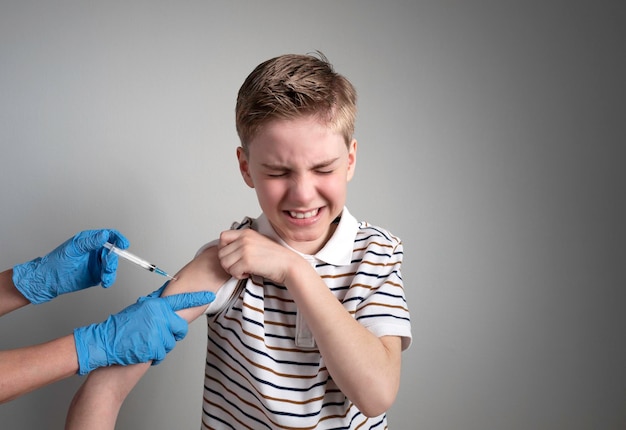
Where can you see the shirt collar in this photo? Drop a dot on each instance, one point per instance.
(337, 251)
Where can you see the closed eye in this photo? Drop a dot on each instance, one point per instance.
(326, 167)
(276, 172)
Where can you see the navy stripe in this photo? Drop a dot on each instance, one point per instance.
(377, 230)
(269, 384)
(362, 317)
(238, 309)
(216, 418)
(288, 414)
(376, 275)
(234, 406)
(264, 354)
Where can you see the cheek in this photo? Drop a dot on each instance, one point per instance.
(269, 191)
(335, 187)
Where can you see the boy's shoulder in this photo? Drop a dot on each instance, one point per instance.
(371, 232)
(349, 236)
(348, 230)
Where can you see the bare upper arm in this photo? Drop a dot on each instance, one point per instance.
(393, 345)
(203, 273)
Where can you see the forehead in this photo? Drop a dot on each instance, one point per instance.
(302, 138)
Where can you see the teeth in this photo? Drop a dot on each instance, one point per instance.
(303, 215)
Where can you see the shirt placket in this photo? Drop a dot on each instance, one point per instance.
(304, 336)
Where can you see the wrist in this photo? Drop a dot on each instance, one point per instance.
(31, 283)
(90, 354)
(297, 266)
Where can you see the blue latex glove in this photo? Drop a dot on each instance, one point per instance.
(79, 263)
(144, 331)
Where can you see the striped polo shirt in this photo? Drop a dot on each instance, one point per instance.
(263, 370)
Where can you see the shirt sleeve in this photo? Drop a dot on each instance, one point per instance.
(377, 291)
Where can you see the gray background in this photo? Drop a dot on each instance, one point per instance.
(491, 141)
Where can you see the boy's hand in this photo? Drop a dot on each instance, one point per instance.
(246, 252)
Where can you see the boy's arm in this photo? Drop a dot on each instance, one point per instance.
(97, 403)
(365, 367)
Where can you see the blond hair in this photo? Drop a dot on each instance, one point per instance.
(294, 86)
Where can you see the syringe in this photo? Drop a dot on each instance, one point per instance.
(138, 261)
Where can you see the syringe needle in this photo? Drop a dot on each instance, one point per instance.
(163, 273)
(137, 260)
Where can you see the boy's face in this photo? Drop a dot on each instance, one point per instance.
(300, 170)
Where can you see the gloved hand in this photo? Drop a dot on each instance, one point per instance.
(144, 331)
(79, 263)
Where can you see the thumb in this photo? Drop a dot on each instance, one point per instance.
(178, 327)
(156, 293)
(189, 300)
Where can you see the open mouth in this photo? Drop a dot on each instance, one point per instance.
(304, 215)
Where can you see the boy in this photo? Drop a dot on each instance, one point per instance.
(310, 317)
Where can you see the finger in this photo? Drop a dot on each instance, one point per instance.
(227, 237)
(229, 256)
(233, 264)
(190, 300)
(159, 356)
(118, 239)
(107, 279)
(109, 263)
(87, 241)
(178, 328)
(237, 271)
(154, 294)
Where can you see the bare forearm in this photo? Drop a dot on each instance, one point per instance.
(26, 369)
(10, 297)
(97, 403)
(366, 368)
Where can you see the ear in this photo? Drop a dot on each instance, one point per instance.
(351, 159)
(244, 167)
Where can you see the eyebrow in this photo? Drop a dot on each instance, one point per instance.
(319, 165)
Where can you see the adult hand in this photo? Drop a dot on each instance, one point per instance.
(144, 331)
(78, 263)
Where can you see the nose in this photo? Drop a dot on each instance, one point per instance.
(302, 190)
